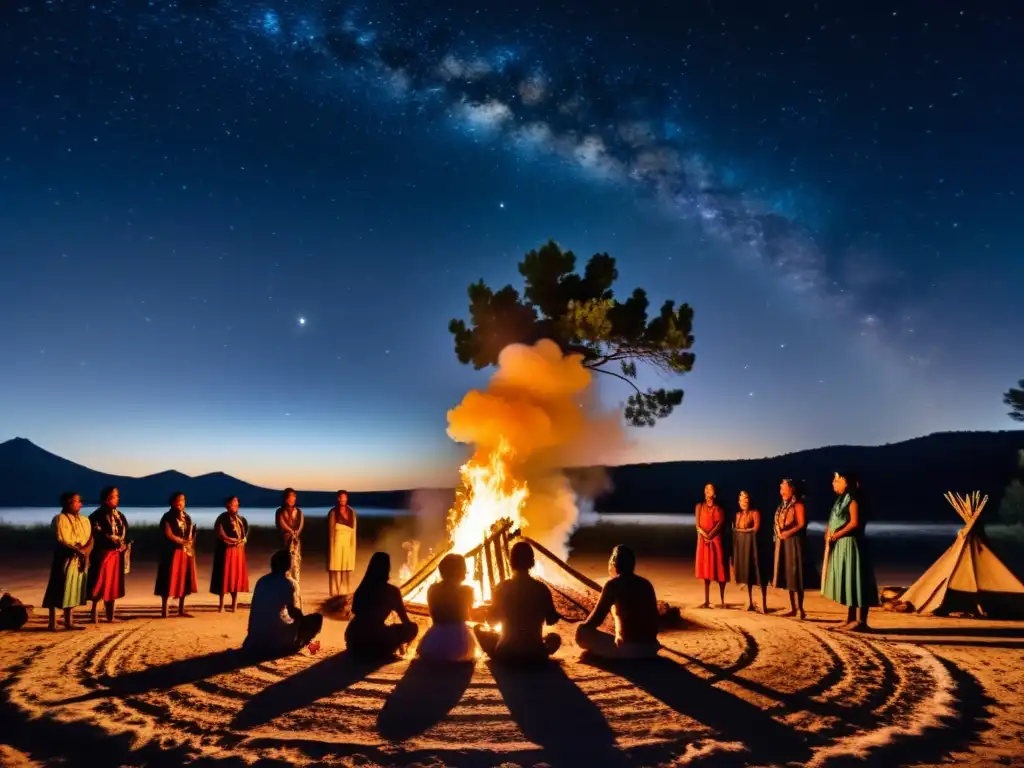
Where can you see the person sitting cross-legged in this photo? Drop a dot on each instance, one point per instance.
(632, 602)
(522, 605)
(369, 635)
(277, 626)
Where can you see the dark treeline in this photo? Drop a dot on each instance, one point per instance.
(906, 481)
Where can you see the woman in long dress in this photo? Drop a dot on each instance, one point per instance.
(230, 574)
(710, 551)
(110, 549)
(847, 576)
(66, 588)
(790, 537)
(341, 559)
(369, 635)
(751, 563)
(176, 574)
(290, 521)
(450, 602)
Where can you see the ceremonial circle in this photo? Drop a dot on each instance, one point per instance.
(733, 689)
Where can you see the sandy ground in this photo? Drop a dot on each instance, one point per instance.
(732, 689)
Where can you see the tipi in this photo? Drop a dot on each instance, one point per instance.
(968, 577)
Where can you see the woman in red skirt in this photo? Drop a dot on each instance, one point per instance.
(710, 552)
(106, 571)
(176, 575)
(230, 569)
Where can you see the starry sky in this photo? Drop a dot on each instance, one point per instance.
(232, 233)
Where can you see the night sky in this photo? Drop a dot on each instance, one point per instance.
(233, 233)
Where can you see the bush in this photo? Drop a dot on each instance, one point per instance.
(1011, 509)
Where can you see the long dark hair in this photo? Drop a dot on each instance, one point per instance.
(106, 493)
(856, 492)
(378, 571)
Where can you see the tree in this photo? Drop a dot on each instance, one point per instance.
(581, 314)
(1011, 508)
(1014, 398)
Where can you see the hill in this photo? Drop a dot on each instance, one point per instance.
(31, 476)
(905, 480)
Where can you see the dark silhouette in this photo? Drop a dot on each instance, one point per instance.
(168, 676)
(558, 304)
(325, 678)
(424, 696)
(732, 718)
(368, 635)
(1013, 398)
(538, 698)
(522, 605)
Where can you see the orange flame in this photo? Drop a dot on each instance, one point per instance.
(489, 494)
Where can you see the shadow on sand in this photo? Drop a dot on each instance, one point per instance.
(424, 696)
(327, 677)
(167, 676)
(538, 699)
(732, 718)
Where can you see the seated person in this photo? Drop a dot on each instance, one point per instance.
(369, 635)
(632, 602)
(450, 602)
(522, 606)
(277, 626)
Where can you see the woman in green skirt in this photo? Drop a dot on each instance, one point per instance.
(847, 575)
(66, 588)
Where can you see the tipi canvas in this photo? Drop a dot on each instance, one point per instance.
(969, 576)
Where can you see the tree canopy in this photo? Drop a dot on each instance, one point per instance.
(1014, 398)
(582, 315)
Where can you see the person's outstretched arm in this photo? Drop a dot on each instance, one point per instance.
(601, 610)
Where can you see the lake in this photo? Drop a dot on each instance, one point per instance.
(204, 517)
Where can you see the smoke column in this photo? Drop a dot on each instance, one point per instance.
(544, 405)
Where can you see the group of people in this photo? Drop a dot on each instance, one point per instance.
(514, 632)
(93, 554)
(763, 557)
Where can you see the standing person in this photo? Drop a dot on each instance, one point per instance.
(277, 625)
(341, 559)
(632, 602)
(230, 573)
(710, 552)
(66, 588)
(176, 574)
(368, 635)
(847, 576)
(522, 605)
(289, 521)
(450, 601)
(790, 537)
(106, 574)
(750, 559)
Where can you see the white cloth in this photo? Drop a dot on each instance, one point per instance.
(343, 548)
(448, 642)
(270, 626)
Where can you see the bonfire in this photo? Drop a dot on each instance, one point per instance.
(486, 518)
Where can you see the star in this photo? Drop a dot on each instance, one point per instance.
(302, 321)
(501, 205)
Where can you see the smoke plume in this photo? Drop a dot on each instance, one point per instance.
(544, 406)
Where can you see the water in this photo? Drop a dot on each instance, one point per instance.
(204, 517)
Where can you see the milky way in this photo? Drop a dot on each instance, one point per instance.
(834, 188)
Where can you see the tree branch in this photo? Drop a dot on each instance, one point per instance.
(618, 376)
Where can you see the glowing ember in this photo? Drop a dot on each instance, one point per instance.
(488, 497)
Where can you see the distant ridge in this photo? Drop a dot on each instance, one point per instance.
(905, 480)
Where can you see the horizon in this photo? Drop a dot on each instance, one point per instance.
(244, 247)
(453, 484)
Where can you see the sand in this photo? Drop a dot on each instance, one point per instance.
(733, 688)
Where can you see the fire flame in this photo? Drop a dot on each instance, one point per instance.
(488, 495)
